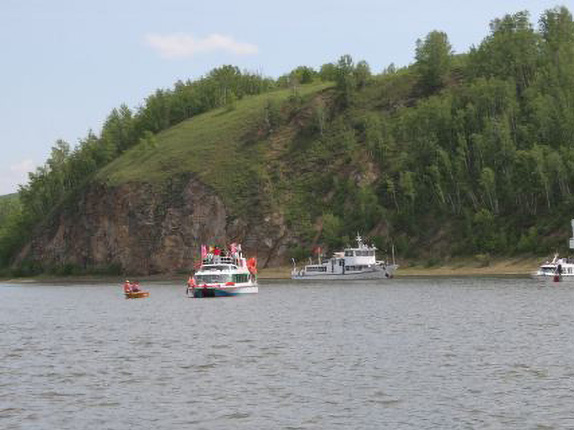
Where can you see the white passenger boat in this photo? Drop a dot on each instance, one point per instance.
(559, 268)
(224, 275)
(352, 263)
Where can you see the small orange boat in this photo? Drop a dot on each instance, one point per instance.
(137, 294)
(132, 291)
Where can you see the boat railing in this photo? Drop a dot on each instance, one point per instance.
(218, 259)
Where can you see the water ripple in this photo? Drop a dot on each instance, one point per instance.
(408, 354)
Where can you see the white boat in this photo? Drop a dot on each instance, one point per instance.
(220, 276)
(351, 263)
(558, 268)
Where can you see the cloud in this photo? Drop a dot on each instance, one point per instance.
(180, 45)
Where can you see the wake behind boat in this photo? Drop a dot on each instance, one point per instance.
(223, 273)
(351, 263)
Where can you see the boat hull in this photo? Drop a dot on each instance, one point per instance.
(137, 295)
(382, 274)
(220, 291)
(552, 277)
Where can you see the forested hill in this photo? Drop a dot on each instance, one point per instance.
(454, 155)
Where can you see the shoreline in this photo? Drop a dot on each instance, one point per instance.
(470, 266)
(519, 267)
(522, 267)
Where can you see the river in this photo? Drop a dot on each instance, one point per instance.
(444, 353)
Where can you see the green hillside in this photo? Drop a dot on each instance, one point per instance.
(225, 148)
(468, 154)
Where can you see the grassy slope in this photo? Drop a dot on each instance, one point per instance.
(221, 147)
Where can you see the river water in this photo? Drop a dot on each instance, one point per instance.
(405, 354)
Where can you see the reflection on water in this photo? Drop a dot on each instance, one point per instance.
(408, 354)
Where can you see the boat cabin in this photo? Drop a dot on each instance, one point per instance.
(358, 259)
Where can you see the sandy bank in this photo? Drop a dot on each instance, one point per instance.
(524, 266)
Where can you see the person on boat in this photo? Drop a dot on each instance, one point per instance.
(127, 287)
(136, 287)
(233, 251)
(252, 267)
(209, 255)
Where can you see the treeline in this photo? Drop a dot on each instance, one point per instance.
(480, 145)
(10, 212)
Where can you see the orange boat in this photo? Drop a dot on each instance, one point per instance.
(132, 291)
(137, 294)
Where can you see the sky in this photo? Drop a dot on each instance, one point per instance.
(65, 64)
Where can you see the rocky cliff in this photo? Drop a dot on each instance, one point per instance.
(140, 229)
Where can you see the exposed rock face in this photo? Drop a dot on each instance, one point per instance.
(143, 230)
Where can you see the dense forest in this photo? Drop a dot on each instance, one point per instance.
(456, 154)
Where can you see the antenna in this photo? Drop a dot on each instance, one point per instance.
(572, 238)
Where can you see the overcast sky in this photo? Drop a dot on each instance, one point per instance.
(66, 63)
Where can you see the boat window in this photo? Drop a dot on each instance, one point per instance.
(355, 268)
(212, 278)
(348, 253)
(363, 253)
(240, 277)
(316, 269)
